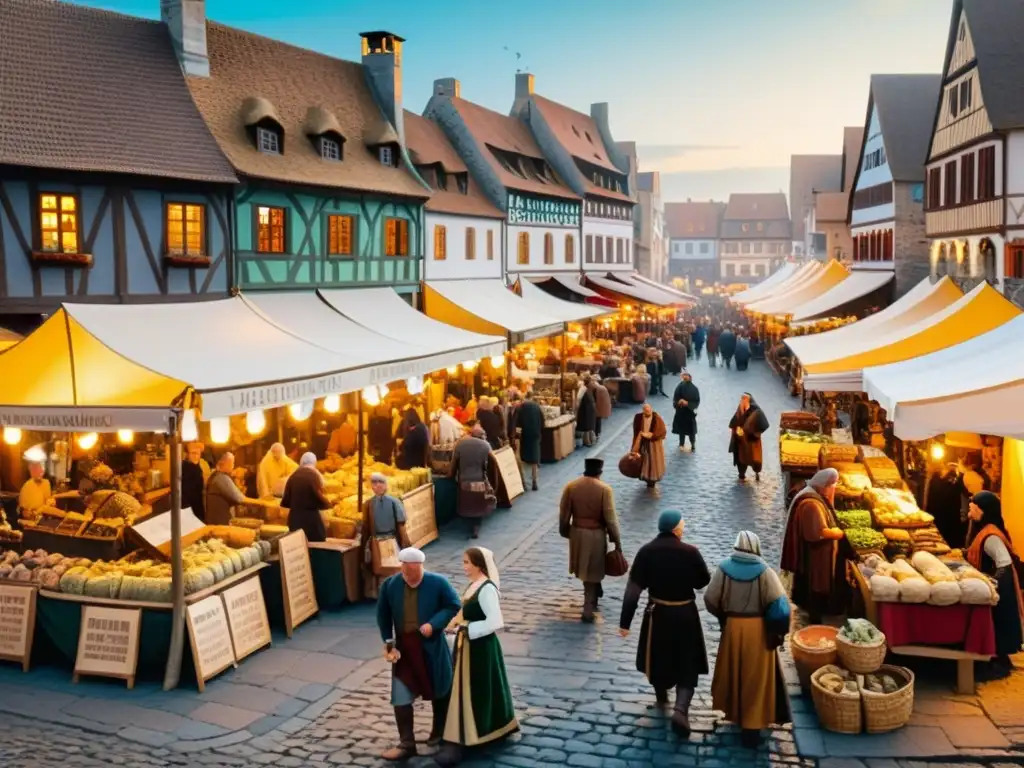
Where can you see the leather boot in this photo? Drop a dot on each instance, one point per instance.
(681, 713)
(661, 698)
(589, 602)
(440, 710)
(406, 736)
(450, 755)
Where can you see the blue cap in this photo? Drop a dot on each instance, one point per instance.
(669, 520)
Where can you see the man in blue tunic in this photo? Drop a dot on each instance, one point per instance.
(413, 610)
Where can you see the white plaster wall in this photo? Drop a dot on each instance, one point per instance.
(536, 235)
(614, 230)
(879, 174)
(739, 264)
(455, 265)
(677, 251)
(1014, 163)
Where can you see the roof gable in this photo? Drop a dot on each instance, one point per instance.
(757, 207)
(697, 221)
(90, 90)
(576, 132)
(808, 173)
(905, 107)
(245, 66)
(963, 46)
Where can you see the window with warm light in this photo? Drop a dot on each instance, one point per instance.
(523, 251)
(396, 237)
(549, 248)
(58, 223)
(470, 243)
(269, 229)
(186, 225)
(341, 235)
(440, 243)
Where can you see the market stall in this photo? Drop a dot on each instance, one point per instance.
(763, 288)
(784, 302)
(571, 289)
(840, 298)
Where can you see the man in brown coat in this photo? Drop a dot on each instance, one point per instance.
(603, 399)
(587, 519)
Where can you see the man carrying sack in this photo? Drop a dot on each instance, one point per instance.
(383, 534)
(413, 610)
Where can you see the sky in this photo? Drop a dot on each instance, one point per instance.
(717, 94)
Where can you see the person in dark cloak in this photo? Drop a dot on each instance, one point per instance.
(742, 352)
(991, 552)
(671, 651)
(686, 399)
(697, 338)
(747, 425)
(586, 414)
(727, 346)
(714, 333)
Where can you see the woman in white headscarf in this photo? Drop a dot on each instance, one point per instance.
(480, 710)
(274, 471)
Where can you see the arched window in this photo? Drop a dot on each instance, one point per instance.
(987, 256)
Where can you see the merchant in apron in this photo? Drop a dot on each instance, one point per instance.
(383, 535)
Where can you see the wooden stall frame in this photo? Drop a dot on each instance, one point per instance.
(30, 628)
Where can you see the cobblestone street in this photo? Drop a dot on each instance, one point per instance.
(580, 699)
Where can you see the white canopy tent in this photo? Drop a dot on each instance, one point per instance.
(564, 310)
(644, 294)
(387, 314)
(976, 386)
(917, 303)
(856, 286)
(637, 279)
(491, 301)
(775, 280)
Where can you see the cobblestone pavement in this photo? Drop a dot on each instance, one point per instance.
(580, 700)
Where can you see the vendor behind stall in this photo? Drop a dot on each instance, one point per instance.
(415, 448)
(383, 522)
(304, 499)
(274, 471)
(344, 440)
(36, 492)
(222, 495)
(193, 482)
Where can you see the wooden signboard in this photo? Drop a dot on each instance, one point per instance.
(154, 533)
(420, 519)
(509, 474)
(210, 638)
(247, 617)
(108, 643)
(296, 580)
(17, 623)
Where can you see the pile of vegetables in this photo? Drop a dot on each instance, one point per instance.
(854, 518)
(882, 684)
(839, 681)
(860, 632)
(799, 436)
(865, 538)
(36, 566)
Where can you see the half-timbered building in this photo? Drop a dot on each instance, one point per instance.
(111, 187)
(974, 206)
(328, 195)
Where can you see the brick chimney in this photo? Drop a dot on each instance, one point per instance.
(524, 85)
(448, 87)
(382, 62)
(186, 22)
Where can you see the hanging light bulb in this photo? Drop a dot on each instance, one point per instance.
(255, 422)
(35, 455)
(938, 450)
(415, 385)
(220, 430)
(371, 395)
(88, 440)
(469, 365)
(332, 403)
(189, 426)
(12, 435)
(301, 411)
(125, 436)
(498, 361)
(452, 370)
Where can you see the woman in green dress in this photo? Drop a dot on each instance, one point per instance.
(480, 710)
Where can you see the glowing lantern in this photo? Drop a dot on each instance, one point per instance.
(125, 436)
(498, 361)
(220, 430)
(371, 396)
(88, 440)
(332, 403)
(255, 422)
(189, 427)
(301, 411)
(12, 435)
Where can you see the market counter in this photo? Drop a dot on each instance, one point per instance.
(558, 439)
(966, 627)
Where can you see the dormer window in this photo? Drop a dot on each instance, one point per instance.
(462, 179)
(268, 141)
(330, 149)
(386, 156)
(442, 178)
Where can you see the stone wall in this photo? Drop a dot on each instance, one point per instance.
(910, 247)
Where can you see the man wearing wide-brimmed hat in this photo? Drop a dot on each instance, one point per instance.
(587, 518)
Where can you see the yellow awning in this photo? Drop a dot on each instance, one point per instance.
(784, 303)
(980, 311)
(8, 339)
(61, 365)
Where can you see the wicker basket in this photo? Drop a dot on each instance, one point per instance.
(841, 714)
(807, 656)
(861, 659)
(884, 712)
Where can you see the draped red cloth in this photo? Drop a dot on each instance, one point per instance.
(967, 627)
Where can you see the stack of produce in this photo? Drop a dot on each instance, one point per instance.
(854, 518)
(893, 508)
(897, 541)
(36, 567)
(883, 472)
(799, 450)
(851, 475)
(847, 498)
(926, 579)
(928, 539)
(800, 421)
(864, 539)
(834, 453)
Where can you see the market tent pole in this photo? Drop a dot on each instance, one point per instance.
(172, 673)
(561, 378)
(362, 454)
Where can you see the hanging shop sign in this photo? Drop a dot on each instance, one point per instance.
(525, 209)
(74, 419)
(108, 643)
(210, 638)
(296, 580)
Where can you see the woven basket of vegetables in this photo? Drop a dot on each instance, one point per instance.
(860, 646)
(837, 700)
(888, 699)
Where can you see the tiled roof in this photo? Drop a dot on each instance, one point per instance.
(698, 221)
(293, 80)
(428, 146)
(575, 131)
(905, 105)
(608, 194)
(745, 212)
(808, 173)
(90, 90)
(996, 29)
(831, 206)
(491, 129)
